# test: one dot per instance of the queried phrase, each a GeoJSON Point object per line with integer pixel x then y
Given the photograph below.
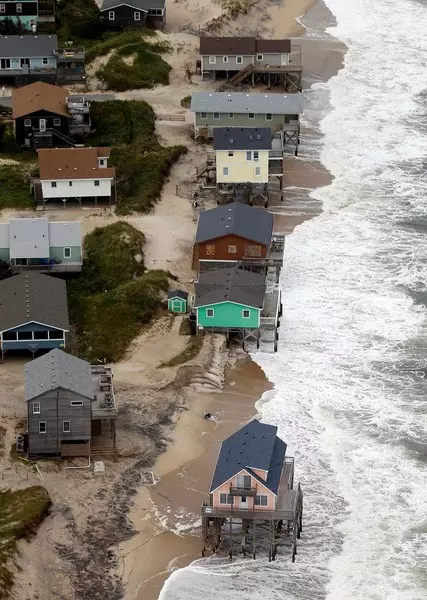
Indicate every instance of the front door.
{"type": "Point", "coordinates": [244, 502]}
{"type": "Point", "coordinates": [42, 124]}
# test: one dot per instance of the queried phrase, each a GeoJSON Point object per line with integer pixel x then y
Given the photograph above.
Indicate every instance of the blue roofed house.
{"type": "Point", "coordinates": [33, 313]}
{"type": "Point", "coordinates": [252, 471]}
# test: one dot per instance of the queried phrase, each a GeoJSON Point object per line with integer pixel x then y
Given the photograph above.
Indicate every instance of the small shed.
{"type": "Point", "coordinates": [178, 301]}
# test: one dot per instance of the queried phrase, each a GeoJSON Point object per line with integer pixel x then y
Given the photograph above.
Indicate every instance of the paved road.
{"type": "Point", "coordinates": [7, 100]}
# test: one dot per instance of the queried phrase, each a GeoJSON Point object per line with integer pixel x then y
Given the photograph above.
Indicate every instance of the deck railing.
{"type": "Point", "coordinates": [242, 491]}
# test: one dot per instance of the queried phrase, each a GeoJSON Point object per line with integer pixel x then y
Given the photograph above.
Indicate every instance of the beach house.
{"type": "Point", "coordinates": [242, 154]}
{"type": "Point", "coordinates": [34, 313]}
{"type": "Point", "coordinates": [46, 115]}
{"type": "Point", "coordinates": [67, 399]}
{"type": "Point", "coordinates": [75, 174]}
{"type": "Point", "coordinates": [253, 482]}
{"type": "Point", "coordinates": [41, 245]}
{"type": "Point", "coordinates": [132, 14]}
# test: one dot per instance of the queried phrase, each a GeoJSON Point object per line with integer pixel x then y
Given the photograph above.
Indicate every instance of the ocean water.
{"type": "Point", "coordinates": [350, 395]}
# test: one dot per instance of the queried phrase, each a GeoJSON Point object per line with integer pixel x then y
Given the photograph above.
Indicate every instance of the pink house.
{"type": "Point", "coordinates": [252, 472]}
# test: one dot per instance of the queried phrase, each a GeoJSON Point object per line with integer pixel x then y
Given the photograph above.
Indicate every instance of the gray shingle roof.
{"type": "Point", "coordinates": [178, 294]}
{"type": "Point", "coordinates": [254, 446]}
{"type": "Point", "coordinates": [57, 369]}
{"type": "Point", "coordinates": [33, 297]}
{"type": "Point", "coordinates": [23, 46]}
{"type": "Point", "coordinates": [138, 4]}
{"type": "Point", "coordinates": [240, 103]}
{"type": "Point", "coordinates": [248, 222]}
{"type": "Point", "coordinates": [230, 285]}
{"type": "Point", "coordinates": [242, 138]}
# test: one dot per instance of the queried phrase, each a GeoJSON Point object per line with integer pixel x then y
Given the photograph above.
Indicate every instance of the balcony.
{"type": "Point", "coordinates": [242, 491]}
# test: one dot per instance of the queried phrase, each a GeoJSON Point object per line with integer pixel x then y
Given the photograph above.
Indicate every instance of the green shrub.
{"type": "Point", "coordinates": [15, 187]}
{"type": "Point", "coordinates": [79, 20]}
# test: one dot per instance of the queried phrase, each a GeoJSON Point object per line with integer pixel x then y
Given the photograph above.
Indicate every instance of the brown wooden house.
{"type": "Point", "coordinates": [231, 233]}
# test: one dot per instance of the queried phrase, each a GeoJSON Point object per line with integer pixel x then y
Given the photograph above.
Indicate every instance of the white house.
{"type": "Point", "coordinates": [76, 173]}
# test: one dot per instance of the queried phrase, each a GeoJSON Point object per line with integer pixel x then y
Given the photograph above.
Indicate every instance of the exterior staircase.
{"type": "Point", "coordinates": [237, 78]}
{"type": "Point", "coordinates": [45, 139]}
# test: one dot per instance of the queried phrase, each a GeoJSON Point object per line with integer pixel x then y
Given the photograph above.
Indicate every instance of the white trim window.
{"type": "Point", "coordinates": [212, 60]}
{"type": "Point", "coordinates": [216, 116]}
{"type": "Point", "coordinates": [210, 313]}
{"type": "Point", "coordinates": [239, 60]}
{"type": "Point", "coordinates": [2, 8]}
{"type": "Point", "coordinates": [111, 15]}
{"type": "Point", "coordinates": [53, 184]}
{"type": "Point", "coordinates": [256, 155]}
{"type": "Point", "coordinates": [203, 115]}
{"type": "Point", "coordinates": [246, 313]}
{"type": "Point", "coordinates": [27, 122]}
{"type": "Point", "coordinates": [230, 153]}
{"type": "Point", "coordinates": [261, 500]}
{"type": "Point", "coordinates": [225, 499]}
{"type": "Point", "coordinates": [96, 183]}
{"type": "Point", "coordinates": [257, 171]}
{"type": "Point", "coordinates": [36, 408]}
{"type": "Point", "coordinates": [18, 8]}
{"type": "Point", "coordinates": [268, 117]}
{"type": "Point", "coordinates": [232, 249]}
{"type": "Point", "coordinates": [225, 171]}
{"type": "Point", "coordinates": [231, 115]}
{"type": "Point", "coordinates": [136, 16]}
{"type": "Point", "coordinates": [76, 403]}
{"type": "Point", "coordinates": [45, 61]}
{"type": "Point", "coordinates": [251, 115]}
{"type": "Point", "coordinates": [67, 252]}
{"type": "Point", "coordinates": [66, 427]}
{"type": "Point", "coordinates": [42, 427]}
{"type": "Point", "coordinates": [259, 57]}
{"type": "Point", "coordinates": [225, 59]}
{"type": "Point", "coordinates": [57, 122]}
{"type": "Point", "coordinates": [248, 155]}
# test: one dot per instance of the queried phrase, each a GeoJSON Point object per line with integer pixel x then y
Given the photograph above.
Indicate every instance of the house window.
{"type": "Point", "coordinates": [246, 313]}
{"type": "Point", "coordinates": [212, 60]}
{"type": "Point", "coordinates": [36, 408]}
{"type": "Point", "coordinates": [210, 312]}
{"type": "Point", "coordinates": [111, 15]}
{"type": "Point", "coordinates": [259, 57]}
{"type": "Point", "coordinates": [53, 184]}
{"type": "Point", "coordinates": [268, 117]}
{"type": "Point", "coordinates": [203, 115]}
{"type": "Point", "coordinates": [251, 116]}
{"type": "Point", "coordinates": [232, 249]}
{"type": "Point", "coordinates": [25, 62]}
{"type": "Point", "coordinates": [225, 499]}
{"type": "Point", "coordinates": [2, 8]}
{"type": "Point", "coordinates": [231, 116]}
{"type": "Point", "coordinates": [261, 500]}
{"type": "Point", "coordinates": [239, 60]}
{"type": "Point", "coordinates": [96, 183]}
{"type": "Point", "coordinates": [25, 335]}
{"type": "Point", "coordinates": [257, 171]}
{"type": "Point", "coordinates": [230, 153]}
{"type": "Point", "coordinates": [101, 162]}
{"type": "Point", "coordinates": [256, 155]}
{"type": "Point", "coordinates": [41, 335]}
{"type": "Point", "coordinates": [57, 122]}
{"type": "Point", "coordinates": [19, 7]}
{"type": "Point", "coordinates": [45, 61]}
{"type": "Point", "coordinates": [225, 59]}
{"type": "Point", "coordinates": [253, 251]}
{"type": "Point", "coordinates": [27, 122]}
{"type": "Point", "coordinates": [42, 427]}
{"type": "Point", "coordinates": [66, 426]}
{"type": "Point", "coordinates": [225, 170]}
{"type": "Point", "coordinates": [9, 336]}
{"type": "Point", "coordinates": [4, 62]}
{"type": "Point", "coordinates": [210, 250]}
{"type": "Point", "coordinates": [76, 403]}
{"type": "Point", "coordinates": [216, 115]}
{"type": "Point", "coordinates": [67, 252]}
{"type": "Point", "coordinates": [70, 184]}
{"type": "Point", "coordinates": [248, 155]}
{"type": "Point", "coordinates": [56, 335]}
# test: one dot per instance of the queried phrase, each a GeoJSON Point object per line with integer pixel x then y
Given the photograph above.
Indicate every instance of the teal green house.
{"type": "Point", "coordinates": [229, 299]}
{"type": "Point", "coordinates": [177, 301]}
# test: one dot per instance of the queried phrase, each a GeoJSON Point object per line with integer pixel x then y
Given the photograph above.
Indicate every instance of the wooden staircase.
{"type": "Point", "coordinates": [236, 79]}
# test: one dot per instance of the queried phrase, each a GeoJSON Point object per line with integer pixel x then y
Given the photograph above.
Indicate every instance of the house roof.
{"type": "Point", "coordinates": [73, 163]}
{"type": "Point", "coordinates": [254, 446]}
{"type": "Point", "coordinates": [236, 46]}
{"type": "Point", "coordinates": [242, 138]}
{"type": "Point", "coordinates": [57, 369]}
{"type": "Point", "coordinates": [144, 5]}
{"type": "Point", "coordinates": [178, 294]}
{"type": "Point", "coordinates": [39, 96]}
{"type": "Point", "coordinates": [31, 238]}
{"type": "Point", "coordinates": [65, 233]}
{"type": "Point", "coordinates": [239, 102]}
{"type": "Point", "coordinates": [230, 285]}
{"type": "Point", "coordinates": [30, 297]}
{"type": "Point", "coordinates": [23, 46]}
{"type": "Point", "coordinates": [248, 222]}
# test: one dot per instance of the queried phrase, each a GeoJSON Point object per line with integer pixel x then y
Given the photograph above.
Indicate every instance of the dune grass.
{"type": "Point", "coordinates": [21, 513]}
{"type": "Point", "coordinates": [15, 187]}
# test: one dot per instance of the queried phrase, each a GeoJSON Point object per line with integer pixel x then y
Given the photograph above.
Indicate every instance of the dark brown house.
{"type": "Point", "coordinates": [227, 234]}
{"type": "Point", "coordinates": [46, 115]}
{"type": "Point", "coordinates": [132, 14]}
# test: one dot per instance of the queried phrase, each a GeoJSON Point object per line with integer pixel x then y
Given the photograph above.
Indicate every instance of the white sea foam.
{"type": "Point", "coordinates": [349, 394]}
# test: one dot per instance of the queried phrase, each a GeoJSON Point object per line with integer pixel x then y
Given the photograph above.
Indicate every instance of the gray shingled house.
{"type": "Point", "coordinates": [64, 396]}
{"type": "Point", "coordinates": [132, 14]}
{"type": "Point", "coordinates": [33, 313]}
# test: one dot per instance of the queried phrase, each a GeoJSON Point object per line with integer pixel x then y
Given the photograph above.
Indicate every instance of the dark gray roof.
{"type": "Point", "coordinates": [178, 294]}
{"type": "Point", "coordinates": [230, 285]}
{"type": "Point", "coordinates": [241, 103]}
{"type": "Point", "coordinates": [57, 369]}
{"type": "Point", "coordinates": [33, 297]}
{"type": "Point", "coordinates": [254, 446]}
{"type": "Point", "coordinates": [242, 138]}
{"type": "Point", "coordinates": [248, 222]}
{"type": "Point", "coordinates": [22, 46]}
{"type": "Point", "coordinates": [138, 4]}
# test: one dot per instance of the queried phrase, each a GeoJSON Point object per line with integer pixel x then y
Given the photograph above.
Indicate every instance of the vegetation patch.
{"type": "Point", "coordinates": [141, 163]}
{"type": "Point", "coordinates": [15, 186]}
{"type": "Point", "coordinates": [191, 350]}
{"type": "Point", "coordinates": [79, 20]}
{"type": "Point", "coordinates": [2, 436]}
{"type": "Point", "coordinates": [115, 295]}
{"type": "Point", "coordinates": [21, 513]}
